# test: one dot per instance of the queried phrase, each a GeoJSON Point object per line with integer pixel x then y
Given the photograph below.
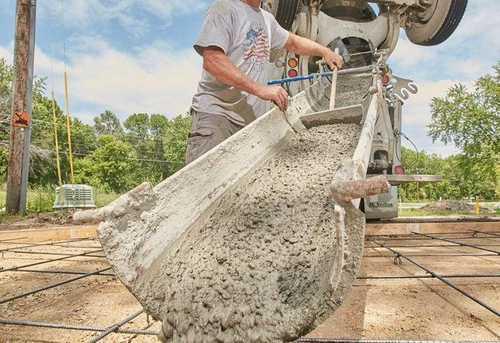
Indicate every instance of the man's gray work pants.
{"type": "Point", "coordinates": [208, 131]}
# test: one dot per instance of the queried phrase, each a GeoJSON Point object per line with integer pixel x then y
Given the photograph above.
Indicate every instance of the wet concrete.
{"type": "Point", "coordinates": [351, 90]}
{"type": "Point", "coordinates": [258, 269]}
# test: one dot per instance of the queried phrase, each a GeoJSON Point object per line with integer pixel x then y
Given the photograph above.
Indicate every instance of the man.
{"type": "Point", "coordinates": [236, 43]}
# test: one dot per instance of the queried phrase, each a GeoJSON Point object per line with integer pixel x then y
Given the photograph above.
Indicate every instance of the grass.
{"type": "Point", "coordinates": [41, 200]}
{"type": "Point", "coordinates": [424, 213]}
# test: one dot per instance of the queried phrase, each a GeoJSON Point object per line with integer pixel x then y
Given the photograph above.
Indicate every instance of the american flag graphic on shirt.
{"type": "Point", "coordinates": [257, 46]}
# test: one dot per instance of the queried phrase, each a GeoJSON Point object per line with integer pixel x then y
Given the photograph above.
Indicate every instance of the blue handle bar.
{"type": "Point", "coordinates": [298, 78]}
{"type": "Point", "coordinates": [318, 75]}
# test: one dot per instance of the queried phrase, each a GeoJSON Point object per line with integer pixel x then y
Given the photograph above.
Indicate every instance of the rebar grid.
{"type": "Point", "coordinates": [435, 246]}
{"type": "Point", "coordinates": [406, 235]}
{"type": "Point", "coordinates": [457, 243]}
{"type": "Point", "coordinates": [399, 257]}
{"type": "Point", "coordinates": [12, 239]}
{"type": "Point", "coordinates": [49, 253]}
{"type": "Point", "coordinates": [487, 233]}
{"type": "Point", "coordinates": [117, 327]}
{"type": "Point", "coordinates": [30, 245]}
{"type": "Point", "coordinates": [38, 290]}
{"type": "Point", "coordinates": [74, 327]}
{"type": "Point", "coordinates": [347, 340]}
{"type": "Point", "coordinates": [49, 261]}
{"type": "Point", "coordinates": [103, 332]}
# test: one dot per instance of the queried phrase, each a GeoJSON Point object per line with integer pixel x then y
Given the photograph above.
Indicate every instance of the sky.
{"type": "Point", "coordinates": [136, 56]}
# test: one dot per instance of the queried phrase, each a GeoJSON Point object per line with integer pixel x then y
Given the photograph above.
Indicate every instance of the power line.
{"type": "Point", "coordinates": [84, 154]}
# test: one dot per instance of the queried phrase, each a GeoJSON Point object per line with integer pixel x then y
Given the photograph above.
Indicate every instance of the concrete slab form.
{"type": "Point", "coordinates": [47, 233]}
{"type": "Point", "coordinates": [456, 256]}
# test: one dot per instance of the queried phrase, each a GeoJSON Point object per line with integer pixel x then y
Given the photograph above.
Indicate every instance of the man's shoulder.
{"type": "Point", "coordinates": [224, 7]}
{"type": "Point", "coordinates": [267, 14]}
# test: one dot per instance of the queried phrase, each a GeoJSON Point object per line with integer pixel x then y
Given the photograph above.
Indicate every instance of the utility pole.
{"type": "Point", "coordinates": [20, 125]}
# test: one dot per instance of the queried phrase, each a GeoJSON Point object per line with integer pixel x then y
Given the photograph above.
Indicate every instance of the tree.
{"type": "Point", "coordinates": [41, 150]}
{"type": "Point", "coordinates": [111, 166]}
{"type": "Point", "coordinates": [83, 139]}
{"type": "Point", "coordinates": [138, 125]}
{"type": "Point", "coordinates": [471, 120]}
{"type": "Point", "coordinates": [106, 155]}
{"type": "Point", "coordinates": [107, 123]}
{"type": "Point", "coordinates": [175, 141]}
{"type": "Point", "coordinates": [423, 163]}
{"type": "Point", "coordinates": [158, 127]}
{"type": "Point", "coordinates": [6, 76]}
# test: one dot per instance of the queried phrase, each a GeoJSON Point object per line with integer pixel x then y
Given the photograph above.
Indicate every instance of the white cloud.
{"type": "Point", "coordinates": [469, 69]}
{"type": "Point", "coordinates": [408, 55]}
{"type": "Point", "coordinates": [468, 54]}
{"type": "Point", "coordinates": [417, 108]}
{"type": "Point", "coordinates": [480, 25]}
{"type": "Point", "coordinates": [129, 14]}
{"type": "Point", "coordinates": [155, 79]}
{"type": "Point", "coordinates": [417, 115]}
{"type": "Point", "coordinates": [6, 52]}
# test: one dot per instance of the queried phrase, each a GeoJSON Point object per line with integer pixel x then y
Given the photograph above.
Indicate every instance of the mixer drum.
{"type": "Point", "coordinates": [437, 23]}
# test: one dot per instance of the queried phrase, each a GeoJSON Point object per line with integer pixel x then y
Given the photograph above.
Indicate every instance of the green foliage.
{"type": "Point", "coordinates": [3, 164]}
{"type": "Point", "coordinates": [175, 141]}
{"type": "Point", "coordinates": [107, 123]}
{"type": "Point", "coordinates": [41, 199]}
{"type": "Point", "coordinates": [149, 147]}
{"type": "Point", "coordinates": [471, 120]}
{"type": "Point", "coordinates": [458, 183]}
{"type": "Point", "coordinates": [111, 166]}
{"type": "Point", "coordinates": [6, 75]}
{"type": "Point", "coordinates": [109, 156]}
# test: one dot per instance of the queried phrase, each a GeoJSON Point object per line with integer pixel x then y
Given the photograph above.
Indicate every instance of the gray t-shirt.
{"type": "Point", "coordinates": [246, 35]}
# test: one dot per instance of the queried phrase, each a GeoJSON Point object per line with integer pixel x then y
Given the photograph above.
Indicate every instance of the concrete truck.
{"type": "Point", "coordinates": [261, 238]}
{"type": "Point", "coordinates": [365, 27]}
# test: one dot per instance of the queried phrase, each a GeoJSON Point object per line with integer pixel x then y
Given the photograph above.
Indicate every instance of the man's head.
{"type": "Point", "coordinates": [253, 3]}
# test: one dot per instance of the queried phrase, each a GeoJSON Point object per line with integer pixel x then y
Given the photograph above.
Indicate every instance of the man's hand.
{"type": "Point", "coordinates": [218, 65]}
{"type": "Point", "coordinates": [275, 94]}
{"type": "Point", "coordinates": [334, 60]}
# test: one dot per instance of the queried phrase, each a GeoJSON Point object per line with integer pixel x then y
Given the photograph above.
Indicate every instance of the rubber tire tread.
{"type": "Point", "coordinates": [285, 14]}
{"type": "Point", "coordinates": [454, 17]}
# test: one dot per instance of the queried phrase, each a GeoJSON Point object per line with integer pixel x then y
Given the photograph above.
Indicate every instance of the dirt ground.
{"type": "Point", "coordinates": [420, 309]}
{"type": "Point", "coordinates": [404, 309]}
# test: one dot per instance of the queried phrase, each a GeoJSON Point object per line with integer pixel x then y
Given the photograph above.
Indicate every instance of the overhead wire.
{"type": "Point", "coordinates": [41, 124]}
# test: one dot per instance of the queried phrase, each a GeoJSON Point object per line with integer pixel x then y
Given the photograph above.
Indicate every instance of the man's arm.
{"type": "Point", "coordinates": [220, 66]}
{"type": "Point", "coordinates": [307, 47]}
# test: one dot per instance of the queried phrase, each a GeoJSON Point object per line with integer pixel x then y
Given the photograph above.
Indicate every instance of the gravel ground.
{"type": "Point", "coordinates": [375, 309]}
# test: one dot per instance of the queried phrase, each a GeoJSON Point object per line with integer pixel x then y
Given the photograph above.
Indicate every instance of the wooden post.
{"type": "Point", "coordinates": [333, 93]}
{"type": "Point", "coordinates": [20, 132]}
{"type": "Point", "coordinates": [56, 139]}
{"type": "Point", "coordinates": [68, 127]}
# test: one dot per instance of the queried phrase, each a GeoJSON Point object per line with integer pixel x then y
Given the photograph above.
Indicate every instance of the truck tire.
{"type": "Point", "coordinates": [439, 25]}
{"type": "Point", "coordinates": [285, 12]}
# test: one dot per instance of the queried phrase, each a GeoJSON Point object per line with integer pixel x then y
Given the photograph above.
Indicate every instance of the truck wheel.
{"type": "Point", "coordinates": [285, 11]}
{"type": "Point", "coordinates": [437, 23]}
